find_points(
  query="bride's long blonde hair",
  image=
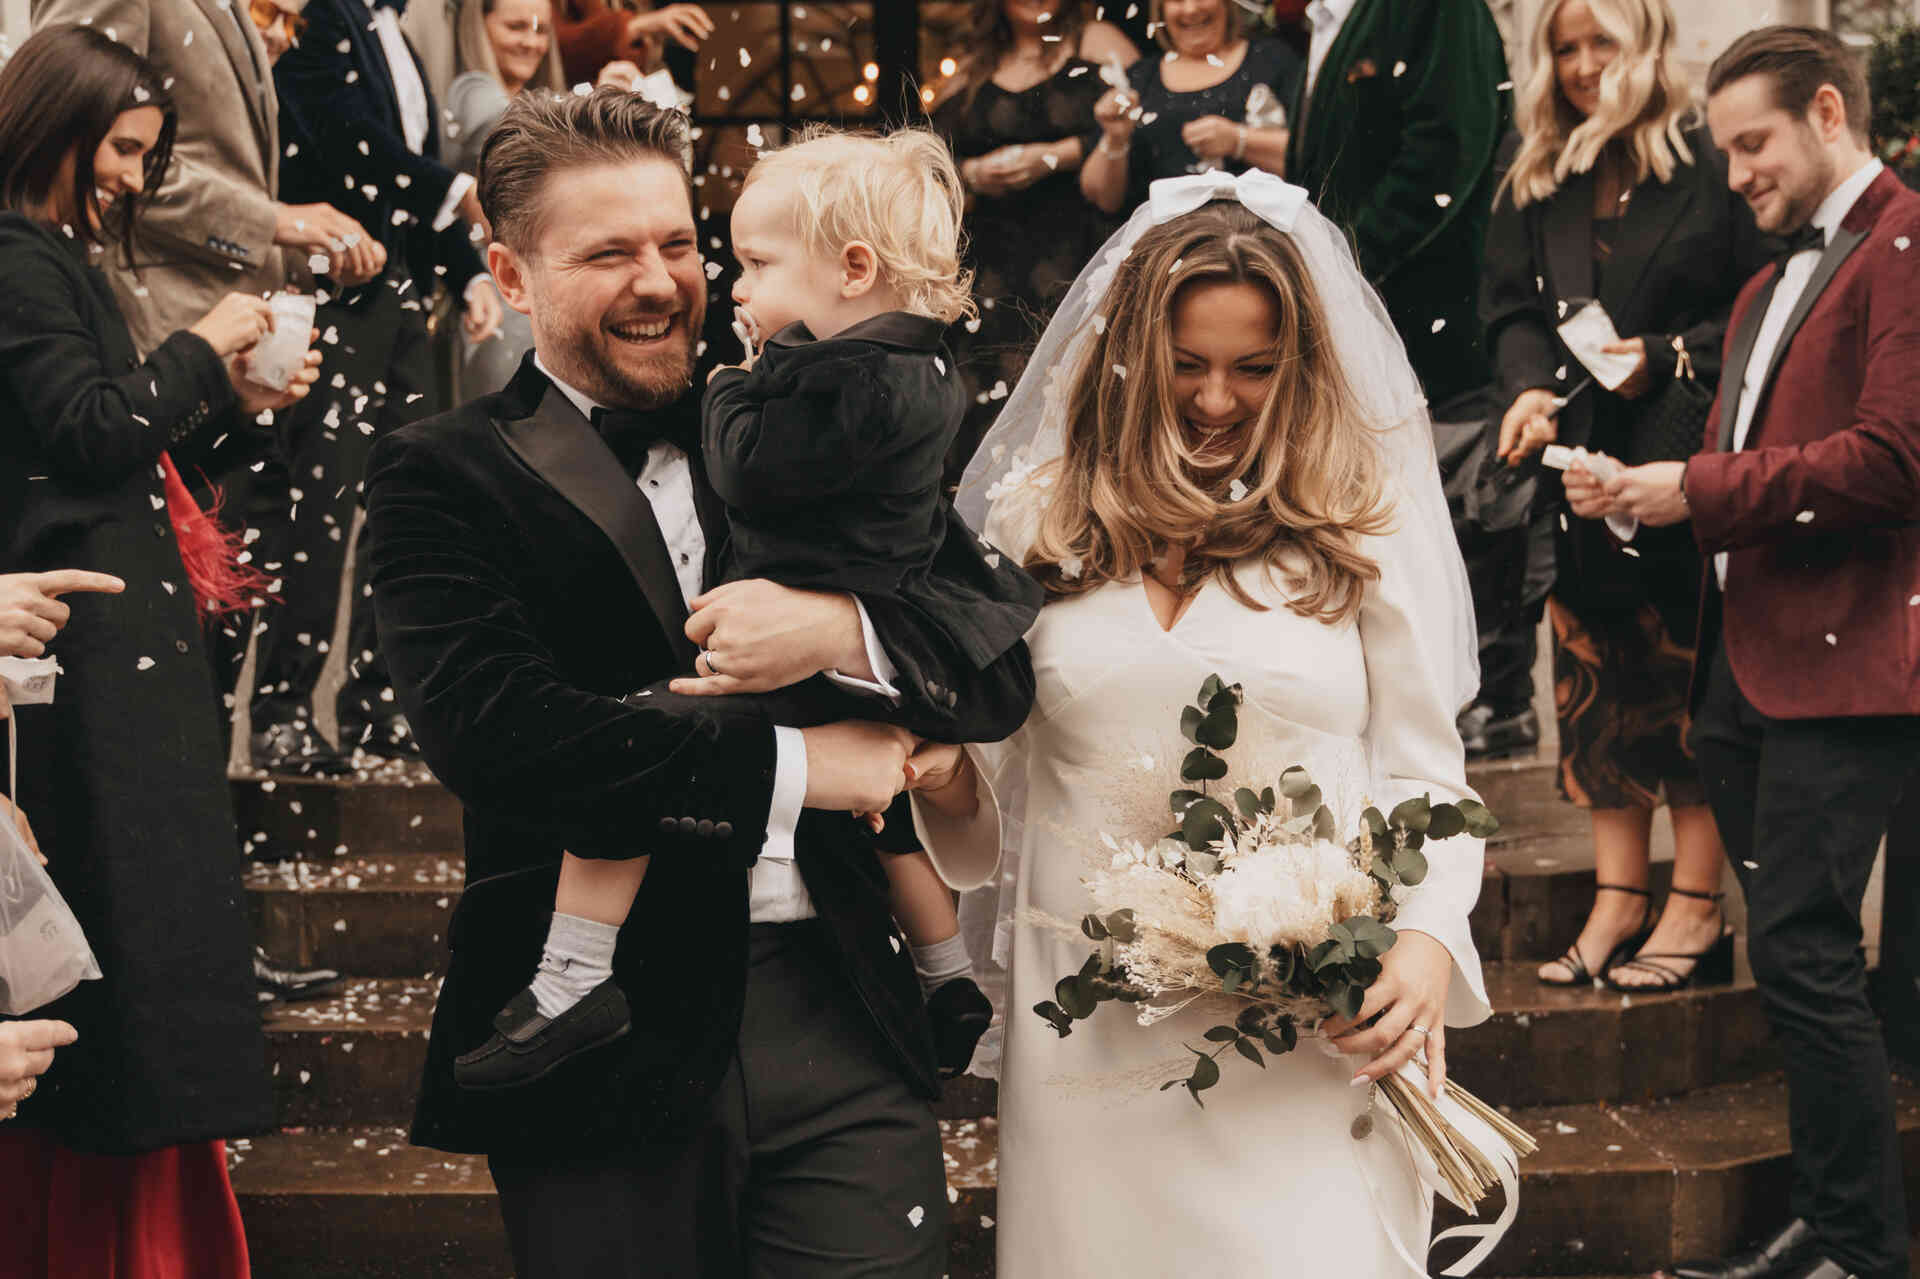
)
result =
(1127, 486)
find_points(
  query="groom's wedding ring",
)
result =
(1418, 1030)
(706, 655)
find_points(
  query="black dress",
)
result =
(1158, 150)
(1667, 265)
(828, 456)
(1025, 247)
(124, 776)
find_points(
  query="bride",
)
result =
(1218, 462)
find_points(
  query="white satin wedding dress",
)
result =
(1101, 1176)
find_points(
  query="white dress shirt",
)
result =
(415, 113)
(1786, 296)
(776, 893)
(1326, 18)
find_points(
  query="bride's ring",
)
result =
(32, 1084)
(707, 655)
(1418, 1030)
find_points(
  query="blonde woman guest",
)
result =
(1018, 113)
(1611, 192)
(1218, 462)
(1216, 98)
(505, 48)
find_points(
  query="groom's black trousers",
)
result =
(1801, 805)
(817, 1161)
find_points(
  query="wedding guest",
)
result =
(1612, 191)
(220, 227)
(367, 129)
(1018, 114)
(1402, 115)
(506, 47)
(1806, 712)
(593, 33)
(118, 1153)
(1216, 98)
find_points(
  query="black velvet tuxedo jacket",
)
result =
(525, 604)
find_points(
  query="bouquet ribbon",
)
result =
(1474, 1131)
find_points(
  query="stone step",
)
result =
(381, 916)
(398, 809)
(356, 1058)
(360, 1203)
(1613, 1190)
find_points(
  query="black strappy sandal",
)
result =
(1714, 965)
(1582, 975)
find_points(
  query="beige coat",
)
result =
(210, 230)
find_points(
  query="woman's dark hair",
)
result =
(989, 38)
(59, 95)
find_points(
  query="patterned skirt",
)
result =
(1620, 690)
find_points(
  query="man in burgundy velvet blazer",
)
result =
(1806, 703)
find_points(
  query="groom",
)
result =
(534, 558)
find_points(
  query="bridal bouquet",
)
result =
(1252, 905)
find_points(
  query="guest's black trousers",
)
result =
(1801, 805)
(816, 1160)
(375, 345)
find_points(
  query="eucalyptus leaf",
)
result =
(1246, 1049)
(1211, 689)
(1480, 822)
(1284, 960)
(1219, 729)
(1412, 814)
(1375, 821)
(1283, 1038)
(1180, 799)
(1206, 1071)
(1323, 823)
(1226, 699)
(1447, 822)
(1371, 938)
(1074, 998)
(1055, 1017)
(1250, 1019)
(1205, 822)
(1307, 801)
(1202, 765)
(1247, 802)
(1361, 971)
(1222, 1034)
(1230, 955)
(1410, 866)
(1190, 717)
(1295, 782)
(1323, 954)
(1120, 926)
(1346, 1000)
(1268, 802)
(1093, 928)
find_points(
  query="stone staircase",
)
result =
(1661, 1122)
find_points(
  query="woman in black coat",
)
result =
(114, 1165)
(1607, 195)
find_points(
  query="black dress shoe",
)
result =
(278, 984)
(1488, 735)
(960, 1015)
(1786, 1255)
(290, 748)
(526, 1046)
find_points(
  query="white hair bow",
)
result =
(1274, 200)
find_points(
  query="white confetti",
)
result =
(993, 561)
(1399, 69)
(1832, 639)
(1805, 517)
(1237, 490)
(986, 1222)
(188, 42)
(896, 944)
(1902, 243)
(940, 364)
(713, 270)
(159, 503)
(999, 391)
(1099, 324)
(144, 664)
(1564, 1129)
(1751, 865)
(1175, 268)
(916, 1215)
(1443, 199)
(1120, 371)
(1438, 325)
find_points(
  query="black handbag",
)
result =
(1673, 426)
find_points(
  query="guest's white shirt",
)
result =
(416, 115)
(1786, 296)
(1326, 17)
(776, 892)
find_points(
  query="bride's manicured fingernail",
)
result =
(1357, 1080)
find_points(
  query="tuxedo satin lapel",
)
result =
(1733, 373)
(563, 449)
(1568, 231)
(1655, 210)
(1844, 243)
(249, 58)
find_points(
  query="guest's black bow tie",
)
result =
(631, 432)
(1807, 237)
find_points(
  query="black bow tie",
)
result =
(631, 432)
(1807, 237)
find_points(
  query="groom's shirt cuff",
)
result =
(884, 671)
